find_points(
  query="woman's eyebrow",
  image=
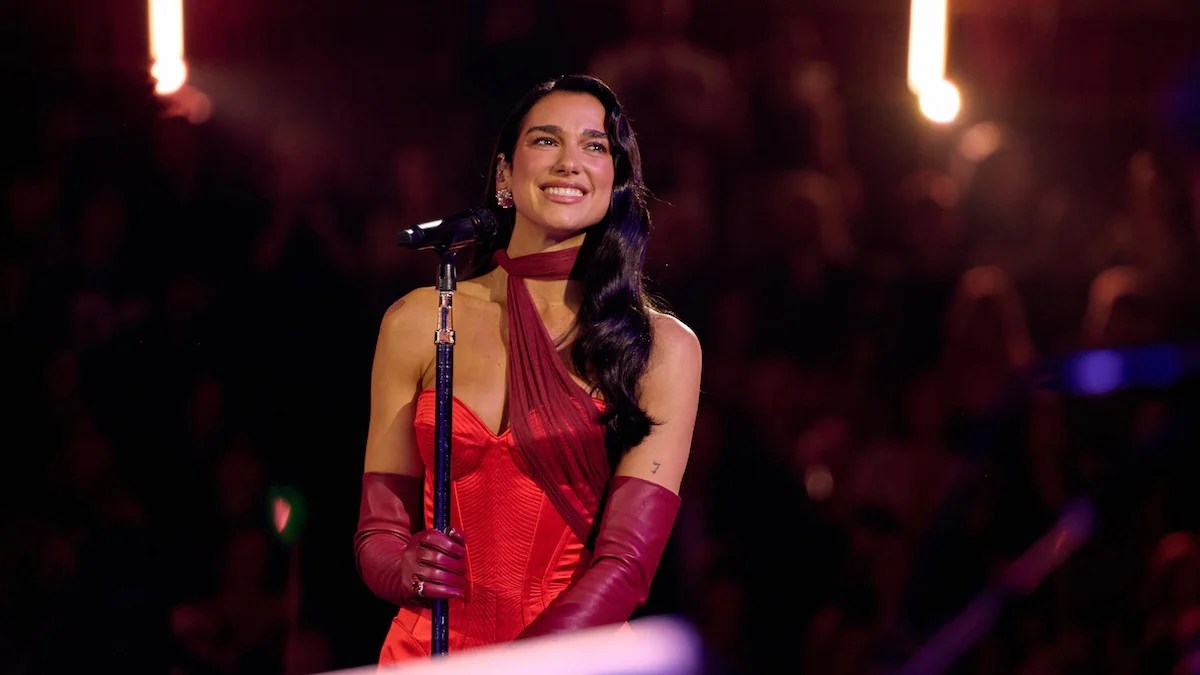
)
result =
(557, 131)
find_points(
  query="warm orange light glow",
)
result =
(926, 44)
(192, 104)
(940, 102)
(169, 75)
(980, 141)
(166, 45)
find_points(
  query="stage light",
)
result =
(1103, 371)
(652, 645)
(940, 102)
(926, 45)
(166, 45)
(282, 513)
(169, 75)
(928, 34)
(1098, 372)
(287, 511)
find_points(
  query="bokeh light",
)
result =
(1097, 372)
(940, 102)
(288, 511)
(818, 482)
(169, 75)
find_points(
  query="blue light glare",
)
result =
(1103, 371)
(1095, 373)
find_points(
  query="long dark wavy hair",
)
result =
(612, 331)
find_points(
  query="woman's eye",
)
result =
(543, 140)
(597, 147)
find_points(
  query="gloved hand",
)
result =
(629, 545)
(398, 566)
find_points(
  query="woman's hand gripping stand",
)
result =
(396, 565)
(629, 545)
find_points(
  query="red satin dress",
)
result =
(520, 552)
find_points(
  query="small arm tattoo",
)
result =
(656, 466)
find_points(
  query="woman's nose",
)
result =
(567, 162)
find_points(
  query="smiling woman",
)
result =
(560, 177)
(576, 400)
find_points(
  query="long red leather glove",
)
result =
(629, 545)
(396, 564)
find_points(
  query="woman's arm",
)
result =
(403, 350)
(396, 564)
(670, 394)
(642, 498)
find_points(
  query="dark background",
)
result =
(190, 290)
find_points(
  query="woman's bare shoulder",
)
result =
(415, 310)
(674, 343)
(414, 316)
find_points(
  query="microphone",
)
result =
(452, 232)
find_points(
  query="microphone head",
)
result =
(474, 225)
(411, 237)
(485, 223)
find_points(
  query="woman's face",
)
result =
(561, 171)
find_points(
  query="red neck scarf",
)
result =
(555, 422)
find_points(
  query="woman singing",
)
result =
(575, 401)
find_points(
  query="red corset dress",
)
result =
(520, 552)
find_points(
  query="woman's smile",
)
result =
(564, 193)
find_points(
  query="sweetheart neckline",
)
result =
(479, 420)
(470, 413)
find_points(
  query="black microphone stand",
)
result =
(447, 281)
(446, 237)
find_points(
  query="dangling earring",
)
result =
(504, 198)
(503, 195)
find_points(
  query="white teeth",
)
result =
(563, 191)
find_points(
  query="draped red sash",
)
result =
(555, 422)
